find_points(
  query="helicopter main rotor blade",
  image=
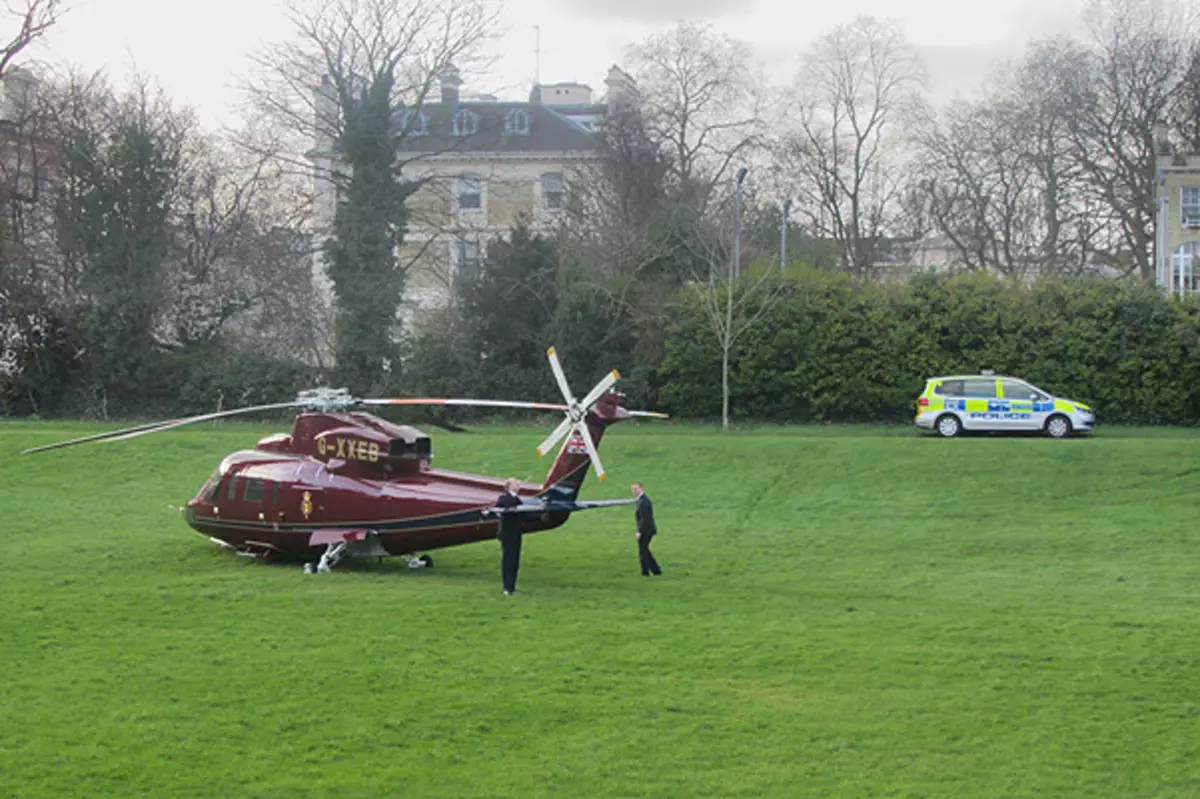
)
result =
(467, 403)
(552, 439)
(601, 388)
(155, 427)
(559, 377)
(581, 426)
(204, 418)
(649, 414)
(97, 437)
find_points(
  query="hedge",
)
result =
(837, 350)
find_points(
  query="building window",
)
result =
(554, 191)
(1189, 206)
(470, 193)
(1185, 269)
(466, 123)
(415, 124)
(469, 258)
(516, 123)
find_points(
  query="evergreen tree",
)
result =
(369, 226)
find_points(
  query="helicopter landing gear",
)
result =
(333, 553)
(423, 562)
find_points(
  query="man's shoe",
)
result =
(508, 593)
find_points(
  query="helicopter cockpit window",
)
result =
(254, 490)
(231, 487)
(212, 488)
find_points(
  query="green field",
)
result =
(855, 612)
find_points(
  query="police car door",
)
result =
(1018, 401)
(982, 404)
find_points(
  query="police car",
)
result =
(950, 405)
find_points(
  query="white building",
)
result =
(487, 164)
(1177, 224)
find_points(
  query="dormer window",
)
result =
(466, 123)
(516, 123)
(415, 124)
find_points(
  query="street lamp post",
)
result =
(787, 208)
(737, 224)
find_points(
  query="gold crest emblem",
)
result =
(306, 504)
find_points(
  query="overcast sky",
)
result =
(198, 48)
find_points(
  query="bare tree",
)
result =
(1184, 111)
(341, 47)
(998, 182)
(33, 18)
(701, 101)
(1137, 55)
(853, 86)
(732, 305)
(333, 91)
(243, 263)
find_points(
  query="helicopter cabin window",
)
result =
(274, 493)
(231, 487)
(253, 491)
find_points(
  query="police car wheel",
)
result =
(948, 426)
(1058, 426)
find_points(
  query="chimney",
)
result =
(622, 90)
(1162, 138)
(451, 82)
(325, 114)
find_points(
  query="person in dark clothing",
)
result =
(646, 529)
(509, 535)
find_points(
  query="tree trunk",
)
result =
(725, 389)
(726, 346)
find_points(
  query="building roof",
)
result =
(497, 128)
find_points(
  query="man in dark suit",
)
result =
(646, 529)
(509, 535)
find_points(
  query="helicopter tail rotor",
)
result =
(577, 411)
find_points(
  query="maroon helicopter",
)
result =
(349, 484)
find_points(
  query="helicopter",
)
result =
(348, 484)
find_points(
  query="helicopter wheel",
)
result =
(428, 561)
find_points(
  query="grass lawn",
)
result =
(845, 612)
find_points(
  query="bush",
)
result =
(839, 350)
